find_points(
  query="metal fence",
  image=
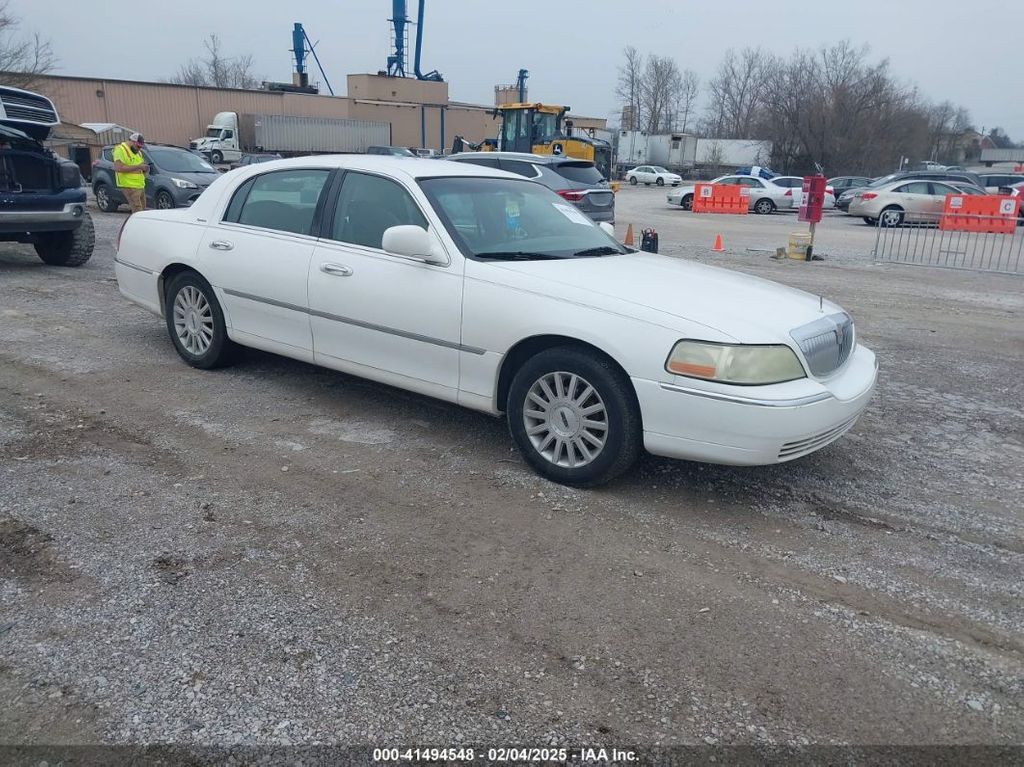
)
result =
(924, 243)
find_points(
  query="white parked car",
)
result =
(796, 185)
(482, 288)
(765, 197)
(653, 174)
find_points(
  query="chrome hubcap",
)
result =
(891, 217)
(566, 419)
(193, 320)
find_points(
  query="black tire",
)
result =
(891, 216)
(686, 202)
(216, 157)
(870, 221)
(660, 181)
(618, 421)
(764, 207)
(220, 350)
(72, 248)
(164, 200)
(632, 180)
(104, 198)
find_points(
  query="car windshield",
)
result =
(179, 161)
(213, 132)
(659, 169)
(496, 218)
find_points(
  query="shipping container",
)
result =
(632, 149)
(287, 134)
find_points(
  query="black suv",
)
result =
(42, 201)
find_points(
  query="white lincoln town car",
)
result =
(485, 289)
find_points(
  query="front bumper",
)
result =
(734, 425)
(23, 221)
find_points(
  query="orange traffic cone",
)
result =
(628, 242)
(717, 247)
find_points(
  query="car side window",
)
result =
(108, 155)
(519, 167)
(918, 187)
(283, 200)
(369, 205)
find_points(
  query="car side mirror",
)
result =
(607, 229)
(412, 242)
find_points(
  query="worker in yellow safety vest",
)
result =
(130, 171)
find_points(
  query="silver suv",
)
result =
(578, 181)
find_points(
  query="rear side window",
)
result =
(487, 162)
(369, 205)
(918, 187)
(519, 167)
(787, 182)
(282, 200)
(580, 172)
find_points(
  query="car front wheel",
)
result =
(686, 203)
(574, 417)
(164, 201)
(195, 322)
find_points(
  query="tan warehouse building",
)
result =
(420, 113)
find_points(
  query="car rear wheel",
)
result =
(686, 203)
(195, 322)
(764, 206)
(632, 180)
(574, 417)
(164, 201)
(891, 216)
(660, 181)
(870, 221)
(104, 201)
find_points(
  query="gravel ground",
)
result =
(275, 554)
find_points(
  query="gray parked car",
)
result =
(578, 181)
(176, 178)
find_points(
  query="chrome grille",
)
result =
(28, 107)
(826, 343)
(807, 445)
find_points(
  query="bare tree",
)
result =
(629, 85)
(736, 93)
(658, 93)
(22, 58)
(687, 88)
(217, 70)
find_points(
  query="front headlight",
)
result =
(734, 364)
(183, 184)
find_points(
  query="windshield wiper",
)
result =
(518, 255)
(600, 250)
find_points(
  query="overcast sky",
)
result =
(967, 52)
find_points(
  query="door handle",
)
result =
(338, 270)
(221, 245)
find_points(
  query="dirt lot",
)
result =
(278, 554)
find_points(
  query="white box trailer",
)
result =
(715, 152)
(675, 151)
(632, 149)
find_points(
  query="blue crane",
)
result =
(299, 42)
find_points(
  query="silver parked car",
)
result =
(765, 197)
(911, 201)
(578, 181)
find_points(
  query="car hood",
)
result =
(673, 292)
(202, 179)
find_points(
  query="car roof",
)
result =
(539, 159)
(407, 167)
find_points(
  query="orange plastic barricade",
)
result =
(991, 214)
(721, 198)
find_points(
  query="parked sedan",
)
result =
(484, 289)
(840, 184)
(653, 174)
(578, 181)
(254, 159)
(765, 196)
(796, 186)
(176, 178)
(907, 201)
